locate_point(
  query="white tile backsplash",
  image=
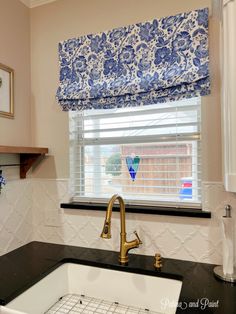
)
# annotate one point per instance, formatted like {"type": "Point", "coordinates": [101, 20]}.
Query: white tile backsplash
{"type": "Point", "coordinates": [30, 210]}
{"type": "Point", "coordinates": [16, 215]}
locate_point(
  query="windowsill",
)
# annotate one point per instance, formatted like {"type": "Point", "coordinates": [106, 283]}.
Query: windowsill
{"type": "Point", "coordinates": [150, 210]}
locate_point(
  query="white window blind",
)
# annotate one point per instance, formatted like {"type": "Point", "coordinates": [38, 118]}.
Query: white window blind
{"type": "Point", "coordinates": [165, 138]}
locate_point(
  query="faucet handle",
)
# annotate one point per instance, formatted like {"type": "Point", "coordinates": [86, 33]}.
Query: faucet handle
{"type": "Point", "coordinates": [138, 238]}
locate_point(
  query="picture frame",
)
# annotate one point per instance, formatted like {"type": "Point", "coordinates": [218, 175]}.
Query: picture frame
{"type": "Point", "coordinates": [6, 91]}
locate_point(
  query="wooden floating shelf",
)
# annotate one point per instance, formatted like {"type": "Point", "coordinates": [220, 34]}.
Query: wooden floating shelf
{"type": "Point", "coordinates": [28, 156]}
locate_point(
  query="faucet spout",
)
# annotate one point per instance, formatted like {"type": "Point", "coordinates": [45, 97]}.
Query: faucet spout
{"type": "Point", "coordinates": [125, 245]}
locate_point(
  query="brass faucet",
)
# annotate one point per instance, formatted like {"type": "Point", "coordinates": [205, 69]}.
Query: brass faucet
{"type": "Point", "coordinates": [125, 246]}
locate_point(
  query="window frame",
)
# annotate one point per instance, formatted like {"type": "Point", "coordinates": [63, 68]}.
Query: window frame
{"type": "Point", "coordinates": [138, 205]}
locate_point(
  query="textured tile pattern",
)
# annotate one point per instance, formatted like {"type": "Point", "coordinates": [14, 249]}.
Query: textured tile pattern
{"type": "Point", "coordinates": [16, 227]}
{"type": "Point", "coordinates": [30, 210]}
{"type": "Point", "coordinates": [193, 239]}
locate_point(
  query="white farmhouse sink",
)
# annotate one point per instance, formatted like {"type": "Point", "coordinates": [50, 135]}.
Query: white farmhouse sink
{"type": "Point", "coordinates": [147, 292]}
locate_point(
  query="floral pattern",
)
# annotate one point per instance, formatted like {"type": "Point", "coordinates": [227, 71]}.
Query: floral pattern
{"type": "Point", "coordinates": [2, 181]}
{"type": "Point", "coordinates": [153, 62]}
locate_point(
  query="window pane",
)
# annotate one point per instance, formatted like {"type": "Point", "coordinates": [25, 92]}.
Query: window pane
{"type": "Point", "coordinates": [148, 154]}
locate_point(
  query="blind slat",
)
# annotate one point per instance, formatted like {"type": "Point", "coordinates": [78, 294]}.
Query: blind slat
{"type": "Point", "coordinates": [140, 172]}
{"type": "Point", "coordinates": [148, 127]}
{"type": "Point", "coordinates": [141, 139]}
{"type": "Point", "coordinates": [107, 114]}
{"type": "Point", "coordinates": [151, 203]}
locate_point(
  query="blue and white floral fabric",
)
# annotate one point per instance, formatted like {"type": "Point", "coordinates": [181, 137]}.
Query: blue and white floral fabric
{"type": "Point", "coordinates": [2, 181]}
{"type": "Point", "coordinates": [161, 60]}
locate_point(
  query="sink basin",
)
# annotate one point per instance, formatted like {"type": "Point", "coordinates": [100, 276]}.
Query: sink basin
{"type": "Point", "coordinates": [154, 293]}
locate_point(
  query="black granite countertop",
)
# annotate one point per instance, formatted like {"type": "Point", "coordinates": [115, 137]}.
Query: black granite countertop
{"type": "Point", "coordinates": [25, 266]}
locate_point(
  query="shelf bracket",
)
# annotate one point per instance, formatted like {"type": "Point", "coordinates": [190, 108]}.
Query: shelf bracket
{"type": "Point", "coordinates": [26, 162]}
{"type": "Point", "coordinates": [28, 156]}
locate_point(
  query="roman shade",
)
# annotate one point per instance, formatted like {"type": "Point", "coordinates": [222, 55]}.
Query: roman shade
{"type": "Point", "coordinates": [146, 63]}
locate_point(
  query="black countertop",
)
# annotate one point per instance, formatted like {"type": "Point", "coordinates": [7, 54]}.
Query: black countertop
{"type": "Point", "coordinates": [25, 266]}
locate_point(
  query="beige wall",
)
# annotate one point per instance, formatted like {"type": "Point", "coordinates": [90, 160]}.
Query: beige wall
{"type": "Point", "coordinates": [15, 53]}
{"type": "Point", "coordinates": [64, 19]}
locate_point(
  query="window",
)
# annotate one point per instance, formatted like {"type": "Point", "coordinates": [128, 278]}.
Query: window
{"type": "Point", "coordinates": [149, 155]}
